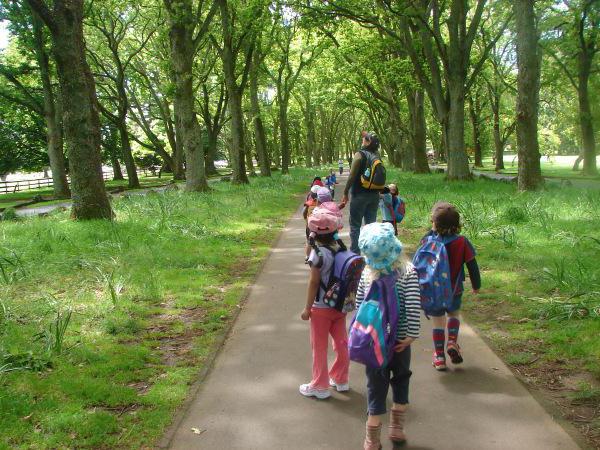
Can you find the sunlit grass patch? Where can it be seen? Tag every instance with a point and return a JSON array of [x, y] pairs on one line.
[[104, 325]]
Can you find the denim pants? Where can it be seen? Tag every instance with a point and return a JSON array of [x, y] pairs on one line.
[[362, 206], [396, 374]]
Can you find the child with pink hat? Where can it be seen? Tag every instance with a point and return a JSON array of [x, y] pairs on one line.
[[323, 225]]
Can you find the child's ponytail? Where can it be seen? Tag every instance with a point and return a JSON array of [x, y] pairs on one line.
[[313, 243]]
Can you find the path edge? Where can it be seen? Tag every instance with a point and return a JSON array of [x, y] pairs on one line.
[[547, 405], [165, 441]]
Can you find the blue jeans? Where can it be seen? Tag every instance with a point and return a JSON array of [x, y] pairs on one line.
[[362, 206], [397, 375]]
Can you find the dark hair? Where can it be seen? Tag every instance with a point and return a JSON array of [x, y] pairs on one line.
[[373, 142], [326, 240], [317, 179], [386, 190], [446, 219]]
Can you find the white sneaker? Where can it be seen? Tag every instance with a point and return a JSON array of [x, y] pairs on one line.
[[339, 387], [308, 391]]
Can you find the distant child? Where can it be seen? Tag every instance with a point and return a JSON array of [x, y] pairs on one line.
[[341, 165], [325, 320], [387, 209], [445, 221], [330, 182], [383, 254]]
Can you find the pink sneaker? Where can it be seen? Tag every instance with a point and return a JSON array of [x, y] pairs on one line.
[[439, 362]]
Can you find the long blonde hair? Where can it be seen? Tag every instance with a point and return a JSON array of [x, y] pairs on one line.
[[402, 265]]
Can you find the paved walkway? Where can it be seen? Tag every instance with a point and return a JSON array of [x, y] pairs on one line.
[[250, 399]]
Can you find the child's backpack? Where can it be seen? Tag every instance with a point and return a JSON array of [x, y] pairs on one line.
[[373, 329], [343, 281], [399, 208], [433, 267], [374, 175]]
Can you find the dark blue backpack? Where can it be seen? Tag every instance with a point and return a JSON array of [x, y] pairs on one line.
[[433, 267]]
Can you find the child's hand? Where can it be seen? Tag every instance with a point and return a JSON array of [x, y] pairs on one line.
[[305, 314], [403, 344]]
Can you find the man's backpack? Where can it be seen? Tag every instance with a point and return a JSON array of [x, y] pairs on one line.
[[343, 281], [373, 176], [399, 208], [373, 329], [433, 267]]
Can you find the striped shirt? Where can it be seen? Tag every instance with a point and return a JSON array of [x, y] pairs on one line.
[[409, 301]]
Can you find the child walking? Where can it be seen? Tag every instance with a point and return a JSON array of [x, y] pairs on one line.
[[383, 254], [325, 320], [387, 209], [445, 221]]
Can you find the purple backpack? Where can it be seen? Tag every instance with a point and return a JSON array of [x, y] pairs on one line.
[[373, 329], [343, 281]]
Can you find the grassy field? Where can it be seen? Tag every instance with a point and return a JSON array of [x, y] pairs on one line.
[[104, 325], [555, 167], [540, 303], [11, 200]]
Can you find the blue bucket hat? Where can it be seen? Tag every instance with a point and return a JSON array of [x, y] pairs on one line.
[[378, 244]]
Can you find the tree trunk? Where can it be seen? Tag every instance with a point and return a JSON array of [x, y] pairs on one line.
[[51, 117], [528, 86], [178, 151], [284, 134], [132, 177], [80, 109], [182, 58], [418, 127], [577, 162], [259, 129], [585, 116], [237, 138], [458, 163], [117, 173], [211, 152], [474, 111], [498, 143], [235, 97]]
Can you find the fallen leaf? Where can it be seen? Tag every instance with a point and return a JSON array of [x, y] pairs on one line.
[[27, 417], [197, 431], [495, 368]]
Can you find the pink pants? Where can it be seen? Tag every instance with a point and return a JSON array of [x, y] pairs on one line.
[[325, 322]]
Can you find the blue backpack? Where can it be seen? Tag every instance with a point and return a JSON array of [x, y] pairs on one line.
[[373, 330], [399, 208], [433, 267]]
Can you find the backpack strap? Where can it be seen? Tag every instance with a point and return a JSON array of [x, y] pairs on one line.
[[321, 284]]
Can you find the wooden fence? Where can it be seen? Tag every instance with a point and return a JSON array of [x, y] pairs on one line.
[[11, 187]]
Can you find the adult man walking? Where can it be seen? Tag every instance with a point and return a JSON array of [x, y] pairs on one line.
[[365, 199]]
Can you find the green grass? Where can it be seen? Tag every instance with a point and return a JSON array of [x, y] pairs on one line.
[[11, 200], [539, 258], [103, 326], [556, 167]]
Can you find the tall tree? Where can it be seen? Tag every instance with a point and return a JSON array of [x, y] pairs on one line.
[[238, 38], [189, 25], [115, 24], [528, 87], [30, 31], [574, 50], [80, 108]]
